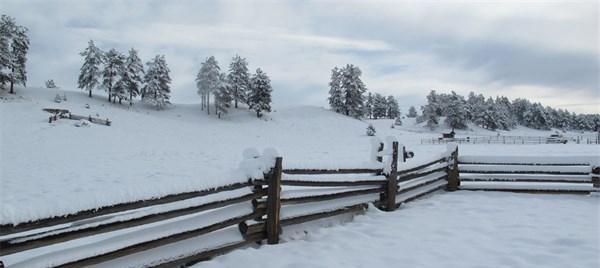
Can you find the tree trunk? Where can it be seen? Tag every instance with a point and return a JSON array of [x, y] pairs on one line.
[[208, 103], [130, 98], [257, 113], [12, 82], [90, 93], [236, 99]]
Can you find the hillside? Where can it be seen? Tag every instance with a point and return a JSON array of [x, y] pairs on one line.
[[53, 169]]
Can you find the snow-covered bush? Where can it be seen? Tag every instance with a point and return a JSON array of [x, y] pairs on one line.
[[58, 98], [50, 84], [83, 123], [371, 130], [398, 121]]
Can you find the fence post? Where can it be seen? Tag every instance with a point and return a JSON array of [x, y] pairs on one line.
[[274, 202], [453, 176], [596, 179], [392, 180]]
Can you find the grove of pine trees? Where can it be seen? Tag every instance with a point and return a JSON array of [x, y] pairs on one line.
[[123, 77], [14, 44], [500, 113], [236, 86], [347, 96]]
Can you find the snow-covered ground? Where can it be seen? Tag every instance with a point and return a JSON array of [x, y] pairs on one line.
[[55, 169], [458, 229]]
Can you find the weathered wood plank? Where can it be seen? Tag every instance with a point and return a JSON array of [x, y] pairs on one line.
[[332, 171], [523, 172], [531, 191], [392, 180], [413, 187], [86, 214], [209, 254], [405, 171], [321, 215], [521, 164], [418, 175], [333, 183], [157, 242], [517, 179], [325, 197], [10, 248]]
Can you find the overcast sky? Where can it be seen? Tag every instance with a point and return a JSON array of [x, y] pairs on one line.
[[546, 51]]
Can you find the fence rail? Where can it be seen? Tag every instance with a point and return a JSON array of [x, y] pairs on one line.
[[286, 197]]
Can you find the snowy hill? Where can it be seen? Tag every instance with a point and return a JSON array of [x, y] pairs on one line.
[[53, 169]]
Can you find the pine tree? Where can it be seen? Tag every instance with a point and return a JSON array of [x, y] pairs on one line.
[[412, 112], [5, 56], [393, 110], [476, 109], [208, 80], [504, 108], [456, 116], [223, 96], [157, 90], [430, 115], [371, 130], [353, 91], [90, 70], [132, 76], [490, 119], [336, 93], [239, 79], [112, 69], [259, 98], [14, 45], [379, 106]]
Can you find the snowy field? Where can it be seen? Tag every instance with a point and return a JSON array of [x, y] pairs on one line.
[[458, 229], [56, 169]]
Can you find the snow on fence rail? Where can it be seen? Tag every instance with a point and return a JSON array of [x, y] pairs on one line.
[[529, 174], [259, 208]]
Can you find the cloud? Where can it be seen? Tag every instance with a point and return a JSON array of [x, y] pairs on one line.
[[539, 50]]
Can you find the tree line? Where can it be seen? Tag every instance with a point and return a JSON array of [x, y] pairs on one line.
[[500, 113], [14, 44], [347, 96], [124, 78]]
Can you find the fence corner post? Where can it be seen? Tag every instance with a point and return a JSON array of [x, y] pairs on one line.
[[453, 176], [392, 180], [596, 179], [274, 202]]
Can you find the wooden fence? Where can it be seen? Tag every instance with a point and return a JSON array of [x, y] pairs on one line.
[[282, 198], [513, 140]]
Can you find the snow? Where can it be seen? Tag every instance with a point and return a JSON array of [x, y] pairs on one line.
[[458, 229], [55, 169], [521, 168], [526, 185]]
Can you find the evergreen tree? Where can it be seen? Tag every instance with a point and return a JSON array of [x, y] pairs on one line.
[[14, 45], [90, 70], [369, 106], [519, 108], [412, 112], [430, 115], [238, 79], [208, 80], [157, 90], [336, 92], [371, 130], [476, 108], [353, 91], [223, 96], [132, 76], [112, 70], [536, 117], [456, 116], [379, 106], [393, 110], [5, 56], [490, 118], [259, 98], [506, 118]]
